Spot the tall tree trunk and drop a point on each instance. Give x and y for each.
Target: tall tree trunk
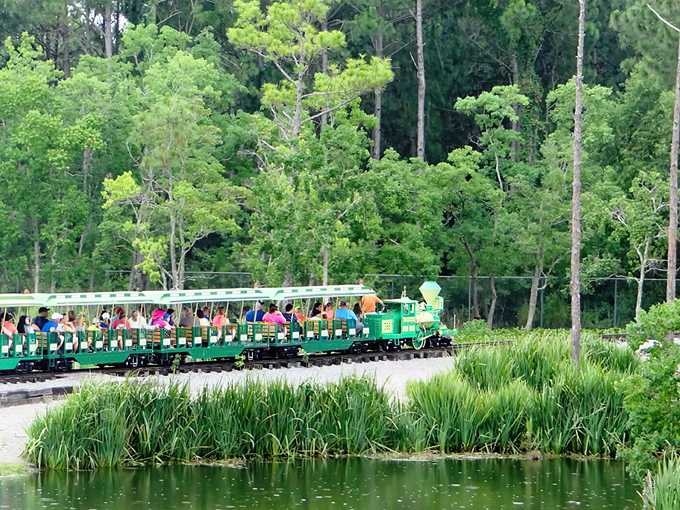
(644, 257)
(376, 153)
(66, 51)
(494, 298)
(576, 199)
(420, 149)
(36, 266)
(673, 199)
(475, 297)
(324, 68)
(326, 261)
(173, 233)
(533, 296)
(288, 279)
(517, 108)
(108, 30)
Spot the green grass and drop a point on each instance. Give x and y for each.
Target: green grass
(526, 396)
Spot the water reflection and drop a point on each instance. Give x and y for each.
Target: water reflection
(358, 484)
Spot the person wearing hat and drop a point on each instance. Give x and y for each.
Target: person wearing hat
(55, 325)
(94, 326)
(105, 320)
(41, 319)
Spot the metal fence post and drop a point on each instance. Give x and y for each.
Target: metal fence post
(616, 288)
(469, 298)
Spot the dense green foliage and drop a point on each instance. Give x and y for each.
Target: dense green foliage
(145, 142)
(527, 396)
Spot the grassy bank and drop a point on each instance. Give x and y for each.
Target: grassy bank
(506, 399)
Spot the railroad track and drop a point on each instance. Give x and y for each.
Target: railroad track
(20, 397)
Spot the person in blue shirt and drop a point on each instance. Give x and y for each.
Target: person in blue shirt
(288, 314)
(257, 314)
(56, 325)
(345, 313)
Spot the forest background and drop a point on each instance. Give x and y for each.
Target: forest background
(164, 143)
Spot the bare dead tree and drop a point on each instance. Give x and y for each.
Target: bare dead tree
(673, 196)
(421, 80)
(576, 199)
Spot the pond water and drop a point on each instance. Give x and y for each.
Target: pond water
(359, 484)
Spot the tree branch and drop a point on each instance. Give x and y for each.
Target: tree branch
(666, 22)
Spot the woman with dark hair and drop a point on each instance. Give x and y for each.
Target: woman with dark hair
(275, 317)
(317, 306)
(357, 309)
(24, 325)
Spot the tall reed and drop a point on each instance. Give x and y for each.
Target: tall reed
(662, 489)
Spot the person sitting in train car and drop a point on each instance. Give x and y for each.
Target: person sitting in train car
(202, 321)
(105, 320)
(169, 316)
(158, 322)
(345, 313)
(369, 303)
(298, 314)
(220, 319)
(41, 319)
(206, 312)
(328, 310)
(317, 306)
(257, 314)
(94, 326)
(288, 314)
(189, 320)
(56, 325)
(357, 309)
(121, 322)
(24, 327)
(137, 320)
(9, 329)
(274, 315)
(316, 315)
(71, 319)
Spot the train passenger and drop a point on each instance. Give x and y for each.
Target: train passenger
(8, 328)
(274, 316)
(345, 313)
(289, 315)
(369, 303)
(55, 325)
(169, 316)
(71, 319)
(316, 315)
(121, 322)
(257, 314)
(328, 310)
(317, 306)
(220, 319)
(158, 322)
(298, 314)
(357, 309)
(137, 320)
(202, 321)
(206, 313)
(24, 327)
(105, 320)
(41, 319)
(94, 326)
(189, 320)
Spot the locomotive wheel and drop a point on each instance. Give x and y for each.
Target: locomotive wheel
(419, 342)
